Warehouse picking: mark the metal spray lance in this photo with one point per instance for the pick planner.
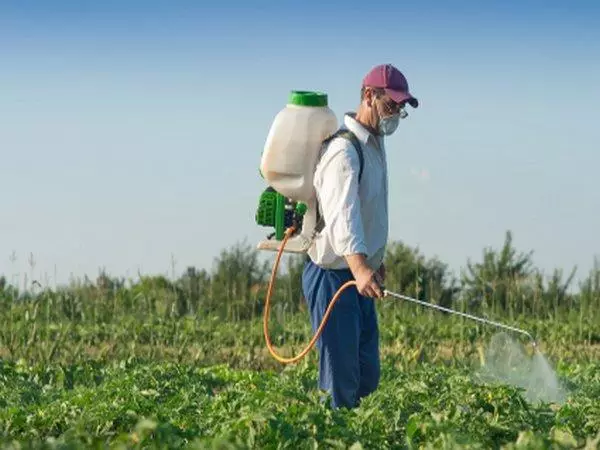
(468, 316)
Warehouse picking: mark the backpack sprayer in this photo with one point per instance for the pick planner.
(289, 205)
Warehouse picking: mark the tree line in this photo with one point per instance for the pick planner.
(505, 282)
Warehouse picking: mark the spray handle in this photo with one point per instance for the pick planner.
(380, 283)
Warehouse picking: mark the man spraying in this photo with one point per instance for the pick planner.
(352, 190)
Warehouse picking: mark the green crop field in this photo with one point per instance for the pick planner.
(161, 362)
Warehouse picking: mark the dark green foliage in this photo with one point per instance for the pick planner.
(160, 362)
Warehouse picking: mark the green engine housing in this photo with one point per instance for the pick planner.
(276, 211)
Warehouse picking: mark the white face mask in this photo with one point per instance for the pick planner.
(388, 125)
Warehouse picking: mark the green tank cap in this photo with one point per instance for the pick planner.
(308, 98)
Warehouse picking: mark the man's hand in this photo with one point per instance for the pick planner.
(368, 282)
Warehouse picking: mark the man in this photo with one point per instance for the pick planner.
(352, 243)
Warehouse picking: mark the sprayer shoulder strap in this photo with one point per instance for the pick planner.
(346, 134)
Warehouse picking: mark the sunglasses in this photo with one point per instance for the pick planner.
(391, 107)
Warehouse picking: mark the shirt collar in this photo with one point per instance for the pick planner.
(359, 130)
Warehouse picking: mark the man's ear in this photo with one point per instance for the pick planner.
(369, 97)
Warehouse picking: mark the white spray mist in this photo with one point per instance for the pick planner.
(507, 362)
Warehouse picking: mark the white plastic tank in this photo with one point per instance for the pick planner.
(294, 142)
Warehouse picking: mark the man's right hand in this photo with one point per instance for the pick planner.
(368, 282)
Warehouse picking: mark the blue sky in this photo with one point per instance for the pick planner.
(119, 121)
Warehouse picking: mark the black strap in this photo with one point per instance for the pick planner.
(346, 134)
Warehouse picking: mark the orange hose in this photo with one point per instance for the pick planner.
(312, 342)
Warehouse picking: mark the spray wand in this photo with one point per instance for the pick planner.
(336, 297)
(468, 316)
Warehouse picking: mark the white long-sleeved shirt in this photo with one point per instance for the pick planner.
(356, 217)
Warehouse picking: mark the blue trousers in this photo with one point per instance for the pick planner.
(349, 366)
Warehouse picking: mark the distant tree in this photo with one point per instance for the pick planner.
(410, 273)
(490, 283)
(235, 272)
(195, 285)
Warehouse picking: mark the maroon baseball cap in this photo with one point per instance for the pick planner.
(391, 79)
